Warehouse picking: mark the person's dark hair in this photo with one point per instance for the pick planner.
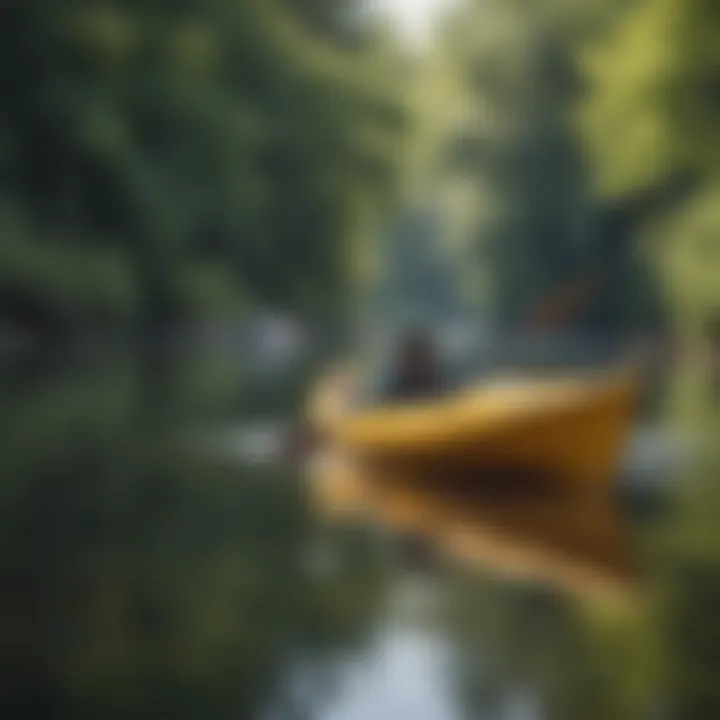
(417, 340)
(417, 372)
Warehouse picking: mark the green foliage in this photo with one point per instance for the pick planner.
(686, 254)
(653, 107)
(594, 659)
(651, 115)
(179, 138)
(67, 285)
(533, 225)
(140, 576)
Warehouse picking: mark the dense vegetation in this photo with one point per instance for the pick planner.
(168, 159)
(178, 159)
(165, 160)
(140, 574)
(521, 148)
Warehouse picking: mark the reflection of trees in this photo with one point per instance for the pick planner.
(509, 639)
(579, 660)
(598, 660)
(690, 572)
(139, 580)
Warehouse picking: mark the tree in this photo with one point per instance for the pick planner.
(516, 142)
(211, 154)
(651, 111)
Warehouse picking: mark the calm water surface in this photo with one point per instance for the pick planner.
(149, 573)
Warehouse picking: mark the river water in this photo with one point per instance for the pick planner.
(158, 561)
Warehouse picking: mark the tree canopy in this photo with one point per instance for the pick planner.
(161, 158)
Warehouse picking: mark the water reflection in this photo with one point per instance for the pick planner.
(577, 544)
(543, 602)
(143, 579)
(142, 575)
(689, 578)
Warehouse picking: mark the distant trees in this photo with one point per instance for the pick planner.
(652, 107)
(542, 221)
(651, 124)
(516, 142)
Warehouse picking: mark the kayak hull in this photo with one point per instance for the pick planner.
(570, 432)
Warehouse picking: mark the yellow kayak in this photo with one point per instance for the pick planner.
(571, 430)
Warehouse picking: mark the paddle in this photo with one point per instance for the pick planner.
(561, 305)
(619, 221)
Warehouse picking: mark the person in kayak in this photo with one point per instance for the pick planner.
(417, 373)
